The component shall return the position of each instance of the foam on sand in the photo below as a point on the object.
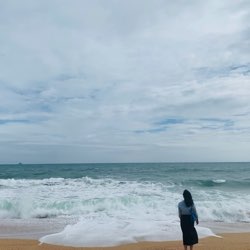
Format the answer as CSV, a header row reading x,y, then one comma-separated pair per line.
x,y
113,232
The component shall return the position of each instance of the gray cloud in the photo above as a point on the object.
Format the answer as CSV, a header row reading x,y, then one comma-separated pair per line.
x,y
91,81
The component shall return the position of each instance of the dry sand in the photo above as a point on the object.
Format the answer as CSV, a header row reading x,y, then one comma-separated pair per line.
x,y
232,241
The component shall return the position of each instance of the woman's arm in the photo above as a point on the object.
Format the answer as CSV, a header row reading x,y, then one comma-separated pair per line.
x,y
195,211
179,211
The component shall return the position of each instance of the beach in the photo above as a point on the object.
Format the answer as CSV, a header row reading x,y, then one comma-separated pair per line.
x,y
124,125
106,205
229,241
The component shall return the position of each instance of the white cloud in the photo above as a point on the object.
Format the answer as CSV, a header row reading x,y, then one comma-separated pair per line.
x,y
93,80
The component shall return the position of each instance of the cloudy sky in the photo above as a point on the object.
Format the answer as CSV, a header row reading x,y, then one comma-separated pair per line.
x,y
124,81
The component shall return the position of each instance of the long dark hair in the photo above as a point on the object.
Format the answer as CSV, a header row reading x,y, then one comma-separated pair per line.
x,y
188,198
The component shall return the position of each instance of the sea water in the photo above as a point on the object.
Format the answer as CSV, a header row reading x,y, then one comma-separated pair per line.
x,y
112,204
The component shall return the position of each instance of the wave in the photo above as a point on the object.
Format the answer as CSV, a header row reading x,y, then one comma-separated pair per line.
x,y
219,181
207,183
58,197
210,183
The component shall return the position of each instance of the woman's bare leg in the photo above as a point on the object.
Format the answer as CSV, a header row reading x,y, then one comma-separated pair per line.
x,y
185,247
191,247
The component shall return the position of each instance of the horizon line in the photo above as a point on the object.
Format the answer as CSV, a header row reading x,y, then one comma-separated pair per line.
x,y
162,162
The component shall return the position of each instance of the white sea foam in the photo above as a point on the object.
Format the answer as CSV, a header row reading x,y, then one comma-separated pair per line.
x,y
114,231
219,181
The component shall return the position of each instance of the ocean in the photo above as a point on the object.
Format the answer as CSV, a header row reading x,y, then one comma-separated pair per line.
x,y
112,204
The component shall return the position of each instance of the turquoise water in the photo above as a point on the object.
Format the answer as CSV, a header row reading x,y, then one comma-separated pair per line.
x,y
128,200
205,175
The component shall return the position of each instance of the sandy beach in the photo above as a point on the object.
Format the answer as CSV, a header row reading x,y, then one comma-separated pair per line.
x,y
230,241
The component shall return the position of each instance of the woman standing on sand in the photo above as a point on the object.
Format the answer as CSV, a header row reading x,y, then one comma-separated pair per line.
x,y
187,211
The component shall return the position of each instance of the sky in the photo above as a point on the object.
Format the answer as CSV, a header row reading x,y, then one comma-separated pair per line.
x,y
124,81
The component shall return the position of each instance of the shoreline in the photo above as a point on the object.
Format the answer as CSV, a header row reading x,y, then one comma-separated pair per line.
x,y
19,237
227,241
37,228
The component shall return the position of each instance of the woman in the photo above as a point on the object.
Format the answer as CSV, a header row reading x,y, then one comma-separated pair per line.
x,y
186,209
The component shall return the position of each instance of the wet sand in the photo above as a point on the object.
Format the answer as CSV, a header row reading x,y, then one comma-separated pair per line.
x,y
229,241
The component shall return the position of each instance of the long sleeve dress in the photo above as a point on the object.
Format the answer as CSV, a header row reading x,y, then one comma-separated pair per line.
x,y
189,233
